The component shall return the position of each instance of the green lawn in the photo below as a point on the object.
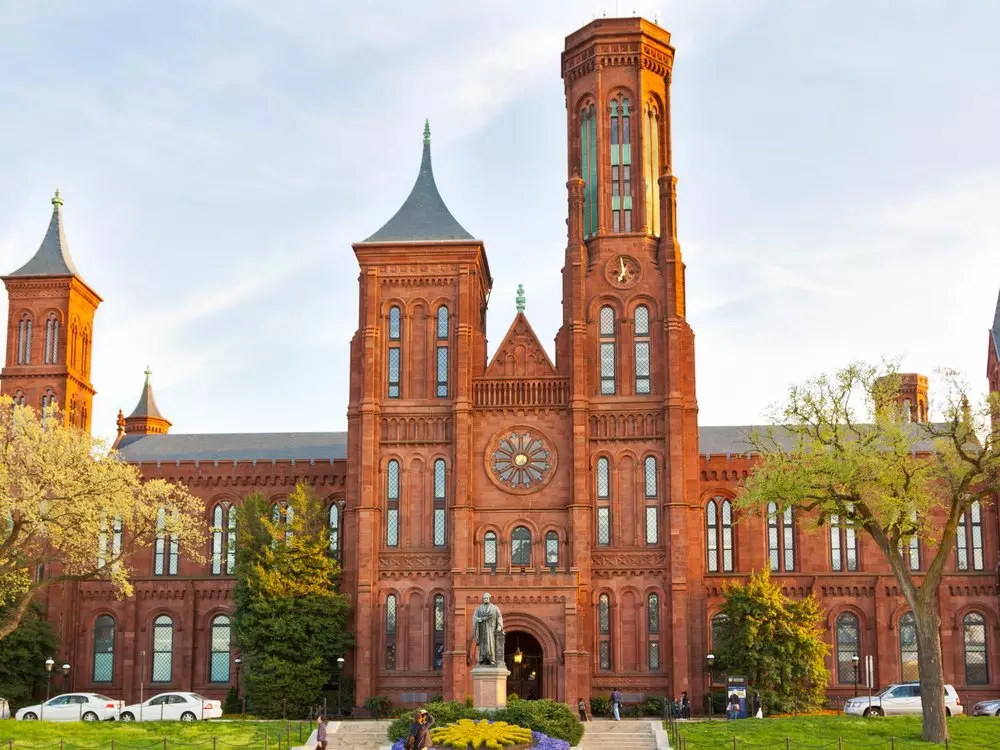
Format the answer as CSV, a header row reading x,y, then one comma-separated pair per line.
x,y
207,735
901,732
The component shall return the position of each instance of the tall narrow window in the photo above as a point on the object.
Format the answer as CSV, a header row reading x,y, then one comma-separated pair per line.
x,y
439,503
520,547
552,549
588,169
490,549
719,535
727,536
223,540
848,647
442,352
621,166
74,343
641,327
652,500
909,664
970,528
603,501
653,632
395,351
843,545
104,649
712,536
607,334
163,649
780,539
438,632
788,538
651,168
977,668
604,631
51,339
390,632
85,361
909,548
19,399
24,340
334,531
165,547
218,664
103,553
392,504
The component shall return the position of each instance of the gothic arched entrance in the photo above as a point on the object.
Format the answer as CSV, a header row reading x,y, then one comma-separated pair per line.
x,y
523,656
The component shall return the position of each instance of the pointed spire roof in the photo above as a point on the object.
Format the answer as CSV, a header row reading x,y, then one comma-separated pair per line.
x,y
146,408
423,217
996,329
52,257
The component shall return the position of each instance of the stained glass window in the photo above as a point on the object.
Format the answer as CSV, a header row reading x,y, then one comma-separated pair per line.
x,y
604,630
439,617
439,503
653,613
163,649
977,670
392,504
104,649
910,665
641,328
390,632
551,549
520,547
334,531
848,646
490,548
521,460
221,640
607,336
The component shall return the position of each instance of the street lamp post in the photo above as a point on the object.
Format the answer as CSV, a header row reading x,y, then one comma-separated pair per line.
x,y
49,663
710,658
238,662
857,672
340,687
65,671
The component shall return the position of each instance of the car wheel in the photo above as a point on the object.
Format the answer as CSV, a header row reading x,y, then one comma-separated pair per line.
x,y
29,717
874,711
188,716
127,716
947,711
90,716
997,713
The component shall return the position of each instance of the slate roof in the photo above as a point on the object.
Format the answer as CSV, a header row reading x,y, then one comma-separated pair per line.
x,y
147,404
244,446
735,439
52,257
423,217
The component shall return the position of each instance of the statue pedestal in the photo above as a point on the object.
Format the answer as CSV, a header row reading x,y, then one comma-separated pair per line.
x,y
489,686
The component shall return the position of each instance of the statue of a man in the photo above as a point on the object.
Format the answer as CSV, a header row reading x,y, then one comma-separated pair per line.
x,y
487,625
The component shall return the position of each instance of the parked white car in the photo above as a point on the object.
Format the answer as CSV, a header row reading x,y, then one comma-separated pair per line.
x,y
987,708
897,700
4,709
173,707
73,707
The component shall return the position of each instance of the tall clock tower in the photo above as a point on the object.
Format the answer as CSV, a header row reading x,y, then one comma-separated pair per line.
x,y
627,347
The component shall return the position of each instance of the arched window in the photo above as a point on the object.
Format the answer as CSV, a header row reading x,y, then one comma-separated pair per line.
x,y
74,343
780,539
223,540
51,339
719,523
392,503
603,501
439,503
604,631
490,549
163,649
588,169
85,361
24,340
977,668
166,548
390,632
651,123
442,352
909,664
48,404
552,550
282,515
641,330
104,649
843,545
970,527
712,536
520,547
653,632
334,531
848,647
608,346
438,632
218,667
650,480
395,351
621,166
19,399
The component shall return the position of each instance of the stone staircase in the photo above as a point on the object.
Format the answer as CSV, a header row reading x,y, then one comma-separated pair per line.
x,y
637,734
352,735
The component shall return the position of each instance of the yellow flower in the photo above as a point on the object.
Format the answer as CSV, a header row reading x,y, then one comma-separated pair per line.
x,y
475,734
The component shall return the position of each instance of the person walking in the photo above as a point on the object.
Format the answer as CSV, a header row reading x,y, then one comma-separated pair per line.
x,y
420,731
616,701
321,732
734,707
582,708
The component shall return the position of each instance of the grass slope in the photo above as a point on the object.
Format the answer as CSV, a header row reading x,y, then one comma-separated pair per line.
x,y
825,731
150,735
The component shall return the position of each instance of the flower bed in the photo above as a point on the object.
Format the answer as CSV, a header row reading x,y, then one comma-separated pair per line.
x,y
549,718
468,733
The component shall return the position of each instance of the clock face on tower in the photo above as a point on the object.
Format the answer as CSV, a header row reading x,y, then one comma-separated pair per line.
x,y
622,271
520,459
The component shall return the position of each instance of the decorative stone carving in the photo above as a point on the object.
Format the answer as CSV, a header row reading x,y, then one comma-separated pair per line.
x,y
520,460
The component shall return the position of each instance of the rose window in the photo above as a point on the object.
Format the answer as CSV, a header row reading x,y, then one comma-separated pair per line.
x,y
520,460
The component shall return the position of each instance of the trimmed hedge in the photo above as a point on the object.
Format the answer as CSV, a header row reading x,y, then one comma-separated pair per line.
x,y
545,716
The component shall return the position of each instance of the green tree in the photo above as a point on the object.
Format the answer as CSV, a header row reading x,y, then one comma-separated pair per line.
x,y
290,620
776,642
23,655
842,448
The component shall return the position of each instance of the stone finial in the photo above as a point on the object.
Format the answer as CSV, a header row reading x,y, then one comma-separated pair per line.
x,y
57,199
121,423
149,374
427,131
520,300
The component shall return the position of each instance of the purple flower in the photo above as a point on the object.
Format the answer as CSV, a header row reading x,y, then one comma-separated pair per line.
x,y
397,745
541,741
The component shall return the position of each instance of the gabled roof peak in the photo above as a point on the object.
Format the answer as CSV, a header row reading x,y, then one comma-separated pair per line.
x,y
146,408
52,257
423,217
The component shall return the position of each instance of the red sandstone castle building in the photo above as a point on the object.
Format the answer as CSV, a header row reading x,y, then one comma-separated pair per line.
x,y
580,491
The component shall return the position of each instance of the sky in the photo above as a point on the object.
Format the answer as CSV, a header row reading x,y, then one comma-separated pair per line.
x,y
838,165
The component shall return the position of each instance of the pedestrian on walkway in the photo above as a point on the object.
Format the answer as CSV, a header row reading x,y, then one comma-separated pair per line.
x,y
420,731
321,732
582,708
616,701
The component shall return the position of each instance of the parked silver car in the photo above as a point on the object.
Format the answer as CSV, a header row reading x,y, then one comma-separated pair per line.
x,y
987,708
897,700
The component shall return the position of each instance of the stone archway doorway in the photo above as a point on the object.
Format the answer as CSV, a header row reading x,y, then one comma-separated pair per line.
x,y
523,656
